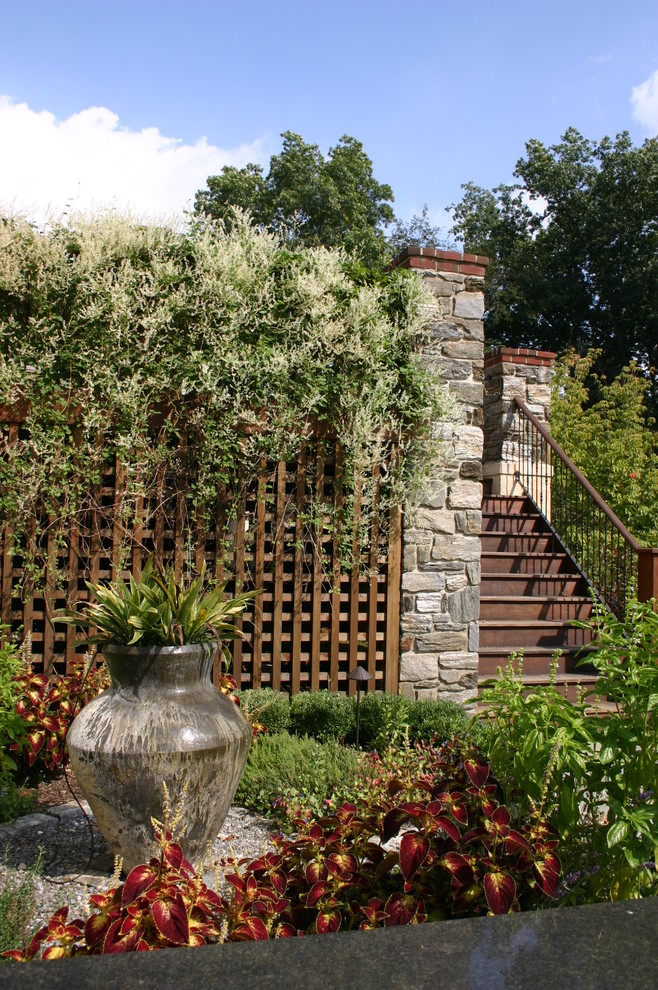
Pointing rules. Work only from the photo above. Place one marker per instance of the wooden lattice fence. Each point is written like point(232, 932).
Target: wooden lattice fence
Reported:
point(312, 623)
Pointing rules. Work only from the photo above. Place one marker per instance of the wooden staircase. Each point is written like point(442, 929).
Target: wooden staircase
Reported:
point(531, 591)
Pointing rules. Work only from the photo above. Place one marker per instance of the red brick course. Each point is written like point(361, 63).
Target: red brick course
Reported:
point(436, 260)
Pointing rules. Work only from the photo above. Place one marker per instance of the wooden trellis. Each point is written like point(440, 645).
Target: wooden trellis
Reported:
point(312, 623)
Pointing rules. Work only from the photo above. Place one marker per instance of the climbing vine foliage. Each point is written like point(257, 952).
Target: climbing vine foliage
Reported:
point(196, 353)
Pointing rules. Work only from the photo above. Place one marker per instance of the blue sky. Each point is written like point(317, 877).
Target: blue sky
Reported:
point(439, 94)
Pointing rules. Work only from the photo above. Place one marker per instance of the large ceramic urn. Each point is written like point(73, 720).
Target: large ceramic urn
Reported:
point(162, 720)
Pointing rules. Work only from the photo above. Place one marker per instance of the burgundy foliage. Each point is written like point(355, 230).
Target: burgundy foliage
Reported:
point(459, 854)
point(48, 707)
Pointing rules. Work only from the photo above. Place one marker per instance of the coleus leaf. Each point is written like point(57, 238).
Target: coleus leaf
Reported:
point(448, 827)
point(459, 866)
point(96, 928)
point(374, 910)
point(477, 771)
point(327, 921)
point(249, 929)
point(173, 855)
point(315, 871)
point(317, 891)
point(401, 909)
point(139, 880)
point(414, 849)
point(170, 918)
point(36, 740)
point(514, 841)
point(50, 723)
point(393, 822)
point(501, 816)
point(547, 873)
point(341, 863)
point(55, 952)
point(115, 942)
point(500, 892)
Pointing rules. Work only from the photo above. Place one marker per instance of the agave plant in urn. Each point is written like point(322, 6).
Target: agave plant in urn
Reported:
point(162, 719)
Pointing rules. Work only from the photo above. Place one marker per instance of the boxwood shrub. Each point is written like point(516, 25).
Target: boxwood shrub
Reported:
point(270, 708)
point(323, 715)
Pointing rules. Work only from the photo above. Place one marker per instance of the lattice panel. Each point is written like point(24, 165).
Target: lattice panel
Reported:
point(313, 621)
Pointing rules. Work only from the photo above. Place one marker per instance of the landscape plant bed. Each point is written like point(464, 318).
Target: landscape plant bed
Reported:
point(459, 854)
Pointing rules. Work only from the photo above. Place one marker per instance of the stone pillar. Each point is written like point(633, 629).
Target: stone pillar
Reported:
point(441, 538)
point(511, 372)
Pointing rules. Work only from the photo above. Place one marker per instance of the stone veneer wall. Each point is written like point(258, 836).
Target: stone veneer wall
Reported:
point(511, 372)
point(441, 539)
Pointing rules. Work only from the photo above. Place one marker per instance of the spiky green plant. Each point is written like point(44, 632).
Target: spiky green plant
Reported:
point(158, 610)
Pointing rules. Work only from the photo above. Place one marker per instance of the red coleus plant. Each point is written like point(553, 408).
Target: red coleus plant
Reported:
point(48, 707)
point(457, 853)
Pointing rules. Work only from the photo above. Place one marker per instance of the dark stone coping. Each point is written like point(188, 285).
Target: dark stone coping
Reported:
point(590, 948)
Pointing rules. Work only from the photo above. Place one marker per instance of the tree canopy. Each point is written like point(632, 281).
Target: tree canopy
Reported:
point(312, 199)
point(605, 429)
point(574, 250)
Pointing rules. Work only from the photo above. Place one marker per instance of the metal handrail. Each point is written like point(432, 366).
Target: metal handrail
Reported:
point(596, 539)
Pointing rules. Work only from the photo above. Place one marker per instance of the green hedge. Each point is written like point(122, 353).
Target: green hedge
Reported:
point(323, 715)
point(266, 706)
point(383, 719)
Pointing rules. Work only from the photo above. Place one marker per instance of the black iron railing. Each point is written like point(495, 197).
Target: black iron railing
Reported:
point(605, 552)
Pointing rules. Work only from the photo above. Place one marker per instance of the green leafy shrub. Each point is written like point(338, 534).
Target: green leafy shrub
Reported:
point(382, 719)
point(12, 727)
point(270, 708)
point(17, 909)
point(594, 776)
point(460, 854)
point(385, 719)
point(322, 714)
point(443, 719)
point(286, 775)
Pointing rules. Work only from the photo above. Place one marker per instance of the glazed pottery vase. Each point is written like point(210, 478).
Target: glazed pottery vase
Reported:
point(162, 720)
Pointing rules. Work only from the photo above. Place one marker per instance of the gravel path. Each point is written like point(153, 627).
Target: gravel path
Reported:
point(75, 860)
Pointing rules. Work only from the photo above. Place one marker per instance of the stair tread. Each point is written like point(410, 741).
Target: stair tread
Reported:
point(523, 553)
point(519, 575)
point(545, 678)
point(527, 651)
point(523, 623)
point(557, 599)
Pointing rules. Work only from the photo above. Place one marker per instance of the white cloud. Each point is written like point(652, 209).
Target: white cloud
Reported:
point(599, 59)
point(89, 161)
point(644, 100)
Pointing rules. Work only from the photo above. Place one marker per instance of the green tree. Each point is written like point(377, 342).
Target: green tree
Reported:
point(610, 439)
point(419, 231)
point(574, 250)
point(315, 200)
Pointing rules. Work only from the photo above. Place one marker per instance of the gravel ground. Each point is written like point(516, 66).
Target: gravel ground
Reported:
point(75, 860)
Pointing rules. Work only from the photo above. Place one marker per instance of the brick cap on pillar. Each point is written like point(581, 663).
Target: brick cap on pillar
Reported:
point(436, 260)
point(519, 355)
